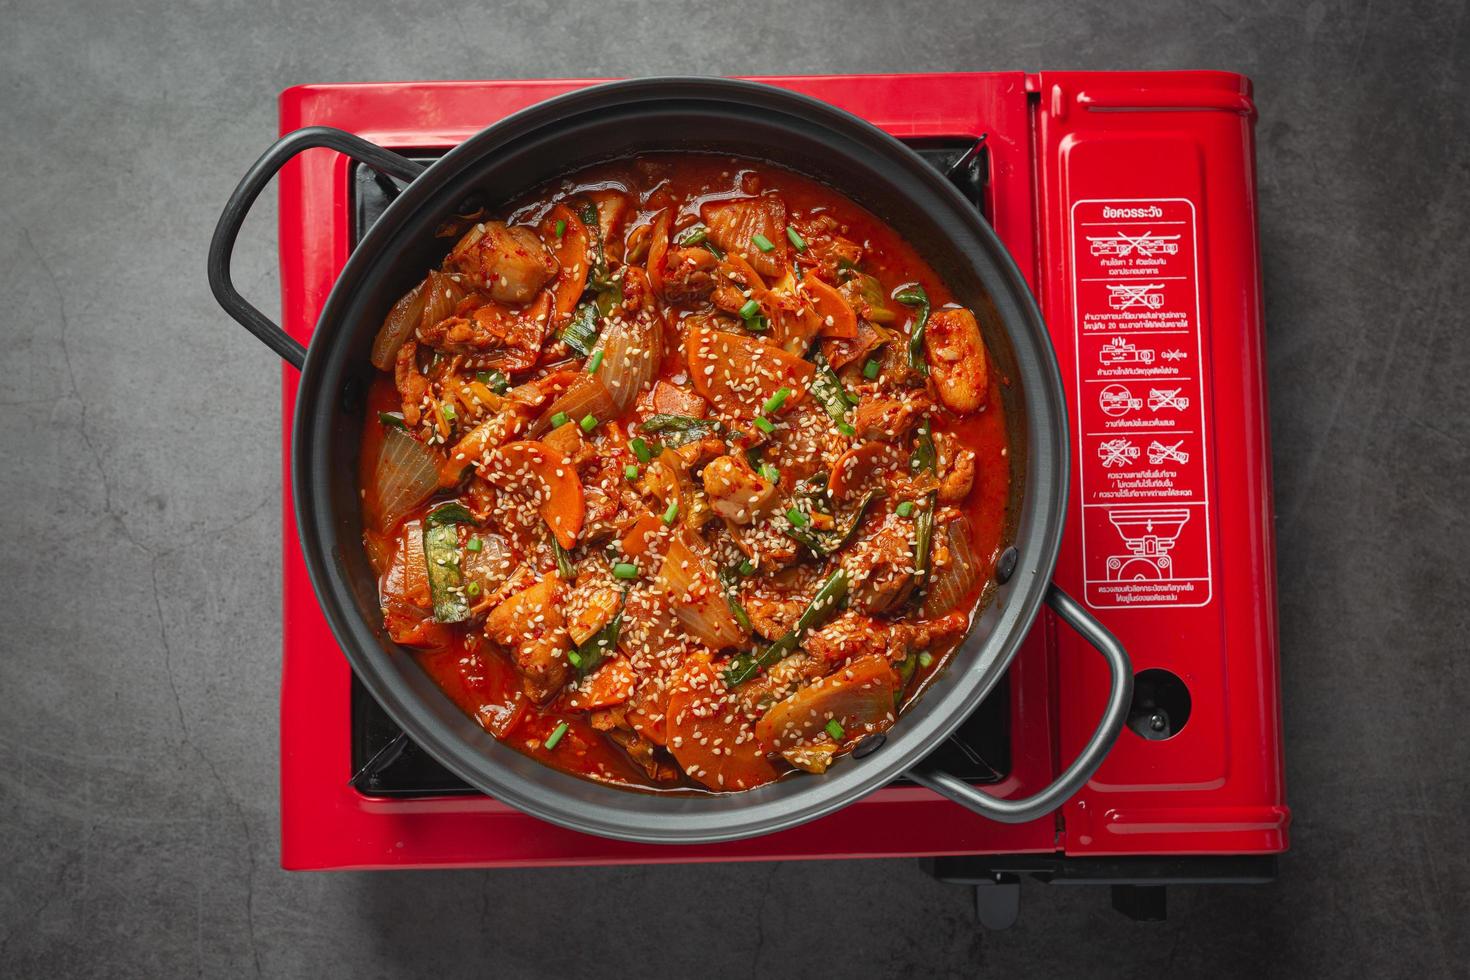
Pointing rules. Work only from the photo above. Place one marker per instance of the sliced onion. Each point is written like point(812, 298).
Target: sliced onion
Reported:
point(586, 396)
point(697, 598)
point(491, 565)
point(442, 293)
point(401, 321)
point(406, 474)
point(631, 351)
point(955, 581)
point(859, 697)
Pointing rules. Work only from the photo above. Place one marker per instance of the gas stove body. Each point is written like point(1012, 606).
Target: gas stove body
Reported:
point(1128, 201)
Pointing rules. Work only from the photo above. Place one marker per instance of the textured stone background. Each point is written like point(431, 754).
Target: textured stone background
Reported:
point(138, 432)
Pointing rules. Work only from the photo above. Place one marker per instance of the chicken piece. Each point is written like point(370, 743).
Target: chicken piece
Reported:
point(640, 750)
point(827, 250)
point(849, 635)
point(736, 492)
point(689, 276)
point(840, 353)
point(879, 566)
point(699, 452)
point(511, 263)
point(772, 617)
point(604, 513)
point(956, 356)
point(890, 419)
point(763, 542)
point(513, 336)
point(734, 224)
point(530, 624)
point(412, 385)
point(894, 367)
point(956, 468)
point(906, 637)
point(588, 609)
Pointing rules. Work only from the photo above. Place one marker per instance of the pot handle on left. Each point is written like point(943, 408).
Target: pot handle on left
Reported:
point(1066, 785)
point(222, 246)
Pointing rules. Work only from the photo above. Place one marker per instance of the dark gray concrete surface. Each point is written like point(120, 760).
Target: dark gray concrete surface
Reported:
point(139, 438)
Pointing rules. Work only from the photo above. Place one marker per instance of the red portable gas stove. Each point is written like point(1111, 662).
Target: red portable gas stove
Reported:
point(1128, 200)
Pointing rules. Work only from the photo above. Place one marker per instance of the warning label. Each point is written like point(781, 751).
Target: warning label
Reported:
point(1140, 404)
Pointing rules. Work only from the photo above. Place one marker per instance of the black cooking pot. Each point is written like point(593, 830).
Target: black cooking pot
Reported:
point(561, 135)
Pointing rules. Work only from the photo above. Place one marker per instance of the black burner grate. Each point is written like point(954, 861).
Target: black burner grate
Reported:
point(388, 764)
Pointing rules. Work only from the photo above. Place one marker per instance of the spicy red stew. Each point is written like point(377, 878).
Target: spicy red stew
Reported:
point(684, 473)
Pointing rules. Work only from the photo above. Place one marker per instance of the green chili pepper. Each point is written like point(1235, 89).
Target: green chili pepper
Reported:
point(914, 295)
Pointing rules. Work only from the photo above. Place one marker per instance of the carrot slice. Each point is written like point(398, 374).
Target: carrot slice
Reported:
point(639, 537)
point(611, 684)
point(648, 711)
point(838, 319)
point(571, 253)
point(708, 735)
point(855, 467)
point(738, 373)
point(670, 399)
point(548, 478)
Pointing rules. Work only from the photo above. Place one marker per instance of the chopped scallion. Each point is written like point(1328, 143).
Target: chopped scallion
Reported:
point(925, 659)
point(474, 544)
point(559, 419)
point(750, 309)
point(450, 415)
point(640, 449)
point(846, 429)
point(770, 472)
point(747, 567)
point(906, 508)
point(764, 424)
point(762, 242)
point(473, 589)
point(631, 472)
point(556, 734)
point(561, 228)
point(594, 362)
point(574, 658)
point(690, 237)
point(671, 512)
point(625, 570)
point(588, 423)
point(393, 419)
point(834, 728)
point(796, 517)
point(870, 369)
point(494, 380)
point(795, 238)
point(776, 401)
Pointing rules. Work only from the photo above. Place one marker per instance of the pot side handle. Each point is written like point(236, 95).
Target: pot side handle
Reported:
point(222, 245)
point(1087, 761)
